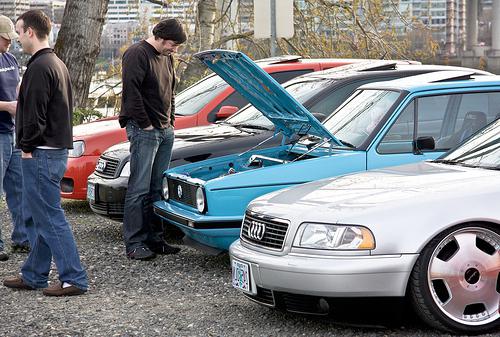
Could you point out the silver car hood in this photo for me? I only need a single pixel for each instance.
(355, 197)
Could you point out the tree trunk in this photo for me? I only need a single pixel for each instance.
(78, 43)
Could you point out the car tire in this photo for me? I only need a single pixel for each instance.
(455, 283)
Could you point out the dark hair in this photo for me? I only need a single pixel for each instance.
(38, 21)
(170, 29)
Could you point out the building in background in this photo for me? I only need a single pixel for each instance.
(53, 8)
(14, 8)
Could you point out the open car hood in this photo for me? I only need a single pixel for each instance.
(245, 76)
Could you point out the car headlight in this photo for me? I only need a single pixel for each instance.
(77, 150)
(164, 187)
(339, 237)
(200, 200)
(125, 170)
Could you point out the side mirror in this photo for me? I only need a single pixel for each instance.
(423, 143)
(226, 111)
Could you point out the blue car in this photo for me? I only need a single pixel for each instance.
(380, 124)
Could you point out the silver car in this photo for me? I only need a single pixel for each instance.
(429, 231)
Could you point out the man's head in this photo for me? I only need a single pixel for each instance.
(169, 35)
(33, 28)
(7, 33)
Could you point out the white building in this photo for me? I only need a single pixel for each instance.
(14, 8)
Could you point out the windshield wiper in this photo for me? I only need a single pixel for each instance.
(251, 126)
(346, 143)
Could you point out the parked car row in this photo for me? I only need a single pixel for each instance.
(207, 101)
(276, 184)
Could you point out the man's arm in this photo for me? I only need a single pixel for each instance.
(36, 89)
(134, 67)
(9, 106)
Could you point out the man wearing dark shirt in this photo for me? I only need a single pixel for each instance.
(10, 157)
(148, 113)
(44, 134)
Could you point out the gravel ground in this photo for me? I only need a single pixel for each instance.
(188, 294)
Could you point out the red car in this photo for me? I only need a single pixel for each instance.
(207, 101)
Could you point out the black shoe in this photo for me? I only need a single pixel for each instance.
(3, 256)
(141, 253)
(16, 248)
(165, 249)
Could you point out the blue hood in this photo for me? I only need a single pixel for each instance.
(245, 76)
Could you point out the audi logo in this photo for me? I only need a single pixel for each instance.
(256, 230)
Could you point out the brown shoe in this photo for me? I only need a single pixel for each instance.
(58, 290)
(16, 282)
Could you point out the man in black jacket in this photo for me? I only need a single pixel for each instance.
(148, 113)
(44, 134)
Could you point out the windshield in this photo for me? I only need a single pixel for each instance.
(301, 91)
(354, 122)
(482, 150)
(193, 99)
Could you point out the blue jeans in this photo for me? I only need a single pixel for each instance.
(49, 233)
(10, 182)
(150, 153)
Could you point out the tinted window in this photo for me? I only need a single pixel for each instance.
(193, 99)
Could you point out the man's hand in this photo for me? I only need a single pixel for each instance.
(26, 155)
(149, 128)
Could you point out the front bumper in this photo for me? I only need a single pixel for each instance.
(216, 232)
(326, 276)
(109, 196)
(74, 182)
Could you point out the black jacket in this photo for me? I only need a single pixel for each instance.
(44, 114)
(148, 81)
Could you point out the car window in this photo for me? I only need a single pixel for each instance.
(448, 119)
(237, 100)
(301, 91)
(486, 102)
(431, 112)
(332, 100)
(483, 149)
(360, 116)
(399, 138)
(193, 99)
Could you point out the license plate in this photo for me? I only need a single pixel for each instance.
(91, 192)
(241, 275)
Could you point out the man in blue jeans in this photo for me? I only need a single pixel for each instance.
(148, 113)
(44, 134)
(10, 157)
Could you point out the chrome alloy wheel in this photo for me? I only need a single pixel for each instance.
(463, 276)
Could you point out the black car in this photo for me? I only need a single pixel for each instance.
(320, 92)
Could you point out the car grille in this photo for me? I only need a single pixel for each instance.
(188, 191)
(110, 168)
(263, 296)
(274, 233)
(113, 210)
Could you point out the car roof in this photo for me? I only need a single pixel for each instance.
(370, 68)
(437, 80)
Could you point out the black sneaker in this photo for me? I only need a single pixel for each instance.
(20, 248)
(3, 256)
(141, 253)
(165, 249)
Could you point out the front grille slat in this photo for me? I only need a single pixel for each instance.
(188, 194)
(110, 170)
(274, 233)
